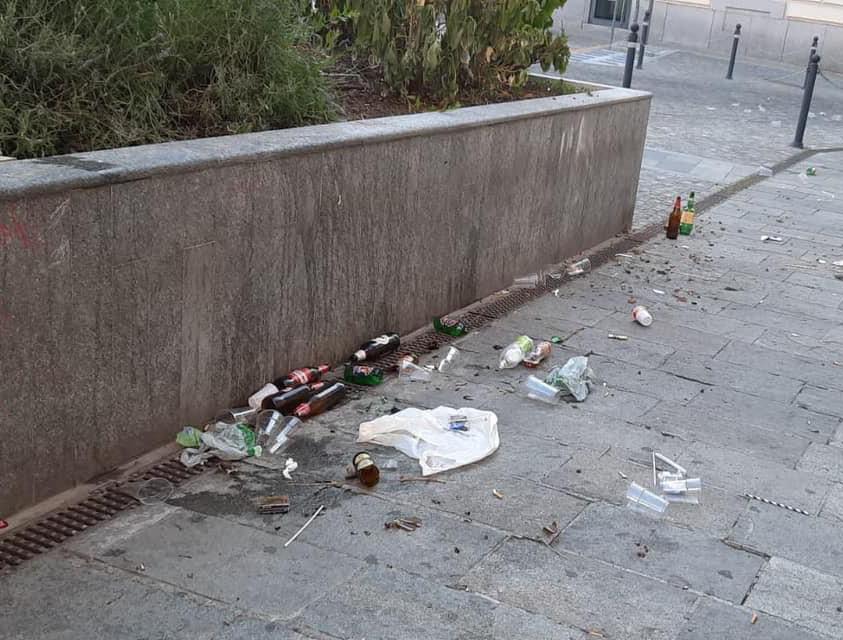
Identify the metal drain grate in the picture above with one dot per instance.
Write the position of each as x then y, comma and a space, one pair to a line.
21, 545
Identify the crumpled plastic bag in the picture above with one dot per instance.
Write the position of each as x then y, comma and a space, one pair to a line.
573, 378
222, 440
425, 435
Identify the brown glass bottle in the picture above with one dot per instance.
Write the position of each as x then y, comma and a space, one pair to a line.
286, 401
305, 375
366, 470
322, 401
674, 219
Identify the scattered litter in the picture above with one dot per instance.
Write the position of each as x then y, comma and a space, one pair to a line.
631, 300
448, 362
140, 567
579, 267
821, 261
838, 263
224, 441
516, 352
615, 336
540, 351
711, 108
420, 479
658, 292
497, 494
573, 378
811, 171
772, 239
407, 524
640, 499
423, 434
552, 530
408, 371
556, 292
764, 171
596, 633
754, 618
376, 347
537, 389
528, 282
239, 414
777, 504
623, 255
761, 108
154, 490
304, 526
189, 437
390, 464
679, 469
450, 327
680, 298
257, 398
289, 466
274, 430
365, 469
363, 375
642, 316
556, 340
623, 475
458, 423
269, 505
605, 390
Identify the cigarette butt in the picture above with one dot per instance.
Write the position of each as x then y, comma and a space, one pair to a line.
754, 618
497, 494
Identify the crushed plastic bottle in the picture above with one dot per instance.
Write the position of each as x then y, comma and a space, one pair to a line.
516, 352
448, 362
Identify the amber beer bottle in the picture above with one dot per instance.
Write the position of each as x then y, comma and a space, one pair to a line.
674, 219
322, 401
288, 399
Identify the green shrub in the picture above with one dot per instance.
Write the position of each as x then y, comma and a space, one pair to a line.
444, 47
89, 74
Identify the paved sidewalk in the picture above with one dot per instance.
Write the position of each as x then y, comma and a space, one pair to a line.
706, 132
739, 379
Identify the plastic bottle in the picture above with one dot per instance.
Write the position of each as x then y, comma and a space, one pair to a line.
376, 347
450, 327
539, 353
516, 352
274, 430
361, 374
305, 375
288, 399
447, 363
322, 401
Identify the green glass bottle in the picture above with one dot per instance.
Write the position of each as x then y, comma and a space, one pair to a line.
362, 374
686, 222
450, 327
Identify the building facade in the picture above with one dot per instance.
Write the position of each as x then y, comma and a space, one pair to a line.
778, 30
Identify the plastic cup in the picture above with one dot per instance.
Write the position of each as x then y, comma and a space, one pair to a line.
238, 414
538, 389
409, 371
642, 316
257, 398
681, 486
639, 499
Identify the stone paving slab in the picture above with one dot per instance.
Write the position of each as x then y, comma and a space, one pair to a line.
585, 593
388, 603
636, 542
811, 541
713, 619
83, 598
809, 598
823, 460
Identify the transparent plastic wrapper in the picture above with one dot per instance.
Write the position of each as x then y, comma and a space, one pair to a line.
528, 282
449, 361
426, 436
639, 499
539, 390
224, 441
408, 371
572, 378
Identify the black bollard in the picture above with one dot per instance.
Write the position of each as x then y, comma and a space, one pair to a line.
735, 40
632, 41
644, 33
814, 46
807, 95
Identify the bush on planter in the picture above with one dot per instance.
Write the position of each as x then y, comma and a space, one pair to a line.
88, 74
444, 47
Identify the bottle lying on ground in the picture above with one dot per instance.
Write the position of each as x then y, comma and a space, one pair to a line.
288, 399
450, 327
322, 401
516, 352
305, 375
376, 347
361, 374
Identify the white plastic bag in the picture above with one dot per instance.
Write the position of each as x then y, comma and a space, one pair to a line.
424, 434
224, 441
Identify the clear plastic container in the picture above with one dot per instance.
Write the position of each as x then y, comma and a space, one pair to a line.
274, 430
538, 389
639, 499
681, 486
449, 361
579, 267
411, 372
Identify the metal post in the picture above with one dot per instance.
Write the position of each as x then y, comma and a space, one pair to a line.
807, 95
643, 42
814, 46
735, 40
630, 55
